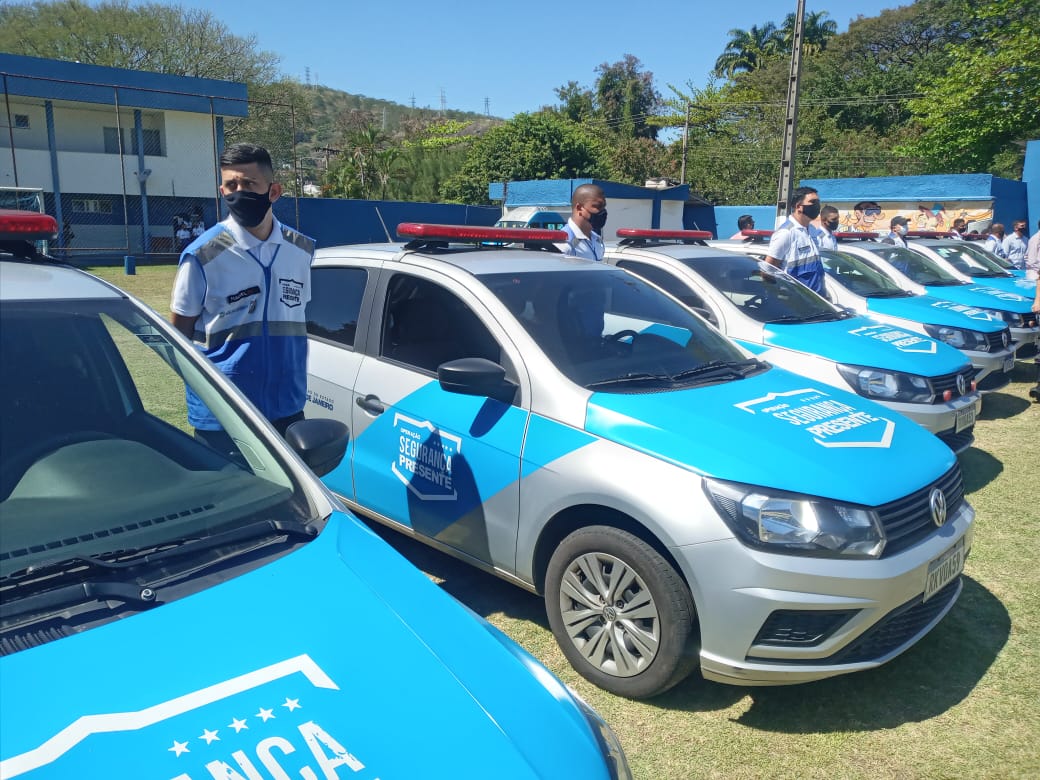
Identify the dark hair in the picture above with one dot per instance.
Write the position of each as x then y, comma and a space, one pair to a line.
827, 211
243, 154
798, 196
745, 222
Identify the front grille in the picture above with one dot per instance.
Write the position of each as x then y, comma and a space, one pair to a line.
958, 442
801, 628
908, 520
897, 627
940, 384
996, 340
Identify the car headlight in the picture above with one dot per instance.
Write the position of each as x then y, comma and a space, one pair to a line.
800, 525
1013, 319
617, 763
961, 338
888, 385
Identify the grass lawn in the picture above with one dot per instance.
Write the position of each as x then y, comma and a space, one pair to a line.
963, 703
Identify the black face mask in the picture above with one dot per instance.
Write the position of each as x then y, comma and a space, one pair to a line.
831, 226
598, 220
247, 208
811, 210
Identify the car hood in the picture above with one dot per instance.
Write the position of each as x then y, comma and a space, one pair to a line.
778, 430
933, 311
982, 295
1011, 284
340, 654
865, 342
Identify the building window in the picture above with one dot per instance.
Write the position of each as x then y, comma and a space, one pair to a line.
21, 121
92, 206
113, 136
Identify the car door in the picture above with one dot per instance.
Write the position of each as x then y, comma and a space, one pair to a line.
336, 317
445, 465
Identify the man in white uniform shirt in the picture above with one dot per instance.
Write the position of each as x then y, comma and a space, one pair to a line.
585, 226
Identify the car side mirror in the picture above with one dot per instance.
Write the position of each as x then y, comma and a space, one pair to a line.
476, 376
320, 442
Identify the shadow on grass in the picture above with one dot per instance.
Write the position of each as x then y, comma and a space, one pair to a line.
1001, 406
935, 675
979, 469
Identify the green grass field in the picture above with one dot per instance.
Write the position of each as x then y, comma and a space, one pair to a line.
963, 703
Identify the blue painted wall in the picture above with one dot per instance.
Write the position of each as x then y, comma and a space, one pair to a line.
1031, 177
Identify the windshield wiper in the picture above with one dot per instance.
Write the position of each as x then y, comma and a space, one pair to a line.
888, 294
635, 376
738, 369
76, 594
122, 560
817, 317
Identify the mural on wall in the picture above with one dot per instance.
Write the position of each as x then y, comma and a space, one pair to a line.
869, 216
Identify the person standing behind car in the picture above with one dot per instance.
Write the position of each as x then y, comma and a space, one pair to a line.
584, 229
1033, 254
958, 229
744, 222
791, 248
897, 231
241, 290
1015, 245
824, 235
995, 239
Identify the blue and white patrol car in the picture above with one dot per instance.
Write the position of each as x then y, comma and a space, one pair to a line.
782, 321
972, 263
924, 275
981, 335
169, 611
567, 426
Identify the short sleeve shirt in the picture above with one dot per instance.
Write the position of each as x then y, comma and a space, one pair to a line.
792, 245
580, 245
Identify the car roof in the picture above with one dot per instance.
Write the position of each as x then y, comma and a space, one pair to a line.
475, 260
680, 251
41, 281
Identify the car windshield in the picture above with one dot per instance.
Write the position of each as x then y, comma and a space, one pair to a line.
969, 259
96, 455
858, 276
607, 329
762, 292
918, 268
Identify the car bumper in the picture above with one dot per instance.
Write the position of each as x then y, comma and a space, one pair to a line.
1026, 342
992, 369
876, 607
944, 419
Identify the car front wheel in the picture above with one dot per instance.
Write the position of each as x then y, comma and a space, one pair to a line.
620, 612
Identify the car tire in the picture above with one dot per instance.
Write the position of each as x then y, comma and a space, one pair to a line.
641, 643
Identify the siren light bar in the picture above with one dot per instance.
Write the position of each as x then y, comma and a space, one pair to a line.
851, 235
661, 233
429, 232
27, 225
927, 234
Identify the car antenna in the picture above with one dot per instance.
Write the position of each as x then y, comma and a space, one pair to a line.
389, 240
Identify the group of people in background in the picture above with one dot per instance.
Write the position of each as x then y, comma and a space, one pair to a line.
186, 228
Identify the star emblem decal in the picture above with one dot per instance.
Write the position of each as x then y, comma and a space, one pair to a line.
178, 748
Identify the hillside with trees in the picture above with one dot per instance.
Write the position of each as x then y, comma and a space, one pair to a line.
937, 86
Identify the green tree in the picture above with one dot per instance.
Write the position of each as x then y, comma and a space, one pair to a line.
978, 110
817, 30
626, 98
530, 146
748, 50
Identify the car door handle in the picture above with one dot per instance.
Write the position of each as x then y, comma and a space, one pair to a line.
371, 404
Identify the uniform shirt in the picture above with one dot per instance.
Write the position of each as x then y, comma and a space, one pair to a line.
993, 245
792, 245
824, 238
580, 245
1033, 256
895, 238
1015, 249
955, 235
250, 297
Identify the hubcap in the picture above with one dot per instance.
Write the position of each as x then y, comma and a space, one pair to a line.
610, 614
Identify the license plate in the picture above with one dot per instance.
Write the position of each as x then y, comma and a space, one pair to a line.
944, 569
1009, 364
965, 418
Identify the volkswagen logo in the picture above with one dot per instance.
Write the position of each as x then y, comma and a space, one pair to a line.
937, 503
962, 384
1005, 337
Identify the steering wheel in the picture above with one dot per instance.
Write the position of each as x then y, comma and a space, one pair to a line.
621, 334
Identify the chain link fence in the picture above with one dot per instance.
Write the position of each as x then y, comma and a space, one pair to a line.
127, 170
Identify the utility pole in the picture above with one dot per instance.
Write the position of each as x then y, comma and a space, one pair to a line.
787, 156
685, 140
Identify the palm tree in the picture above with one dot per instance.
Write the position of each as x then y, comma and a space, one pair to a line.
816, 31
748, 50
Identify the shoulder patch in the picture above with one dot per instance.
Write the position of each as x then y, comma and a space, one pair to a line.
221, 242
298, 240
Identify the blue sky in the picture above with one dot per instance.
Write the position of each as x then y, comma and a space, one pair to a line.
511, 52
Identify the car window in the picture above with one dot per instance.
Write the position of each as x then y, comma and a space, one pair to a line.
857, 275
968, 259
603, 325
671, 285
336, 295
425, 325
917, 267
96, 455
761, 292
